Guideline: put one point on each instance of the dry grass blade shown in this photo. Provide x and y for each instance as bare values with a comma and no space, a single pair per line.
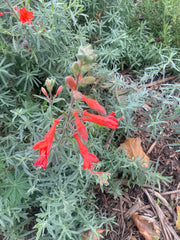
122,217
171,192
133,209
165,202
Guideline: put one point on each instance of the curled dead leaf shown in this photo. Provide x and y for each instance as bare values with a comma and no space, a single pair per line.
146,227
133,149
86,235
177,227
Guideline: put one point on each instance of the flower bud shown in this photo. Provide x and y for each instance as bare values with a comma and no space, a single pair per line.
85,68
86,55
75,68
50,84
80,57
77,95
58,91
71,83
44,91
87,80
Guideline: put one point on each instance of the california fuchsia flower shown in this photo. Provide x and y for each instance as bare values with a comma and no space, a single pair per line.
110,121
25,15
44,146
93,104
70,82
80,127
1,14
88,158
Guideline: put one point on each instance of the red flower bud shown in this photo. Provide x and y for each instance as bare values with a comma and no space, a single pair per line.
71,83
45,93
58,91
26,45
77,95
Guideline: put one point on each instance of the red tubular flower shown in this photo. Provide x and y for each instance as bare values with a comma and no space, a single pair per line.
70,82
110,121
44,146
1,14
80,128
88,158
42,161
83,149
93,104
25,15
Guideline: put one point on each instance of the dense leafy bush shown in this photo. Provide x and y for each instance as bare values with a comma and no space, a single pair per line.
123,34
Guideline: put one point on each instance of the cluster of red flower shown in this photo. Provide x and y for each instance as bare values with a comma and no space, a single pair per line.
44,146
109,121
88,158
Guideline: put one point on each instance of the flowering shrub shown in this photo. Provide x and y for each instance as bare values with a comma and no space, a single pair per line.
75,140
86,58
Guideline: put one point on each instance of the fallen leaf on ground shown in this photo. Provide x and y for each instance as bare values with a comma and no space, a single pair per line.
178,219
146,227
133,149
86,235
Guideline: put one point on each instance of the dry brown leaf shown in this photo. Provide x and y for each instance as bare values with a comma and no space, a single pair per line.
133,149
178,219
146,227
86,235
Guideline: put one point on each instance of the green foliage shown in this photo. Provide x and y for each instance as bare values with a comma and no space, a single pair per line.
14,188
125,35
162,19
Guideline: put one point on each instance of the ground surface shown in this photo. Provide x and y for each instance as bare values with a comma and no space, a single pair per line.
158,207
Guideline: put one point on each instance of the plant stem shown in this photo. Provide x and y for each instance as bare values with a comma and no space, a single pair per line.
14,12
70,110
27,4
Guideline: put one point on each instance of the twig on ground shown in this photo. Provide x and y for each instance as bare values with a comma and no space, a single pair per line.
151,148
171,192
168,231
164,201
160,81
122,218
